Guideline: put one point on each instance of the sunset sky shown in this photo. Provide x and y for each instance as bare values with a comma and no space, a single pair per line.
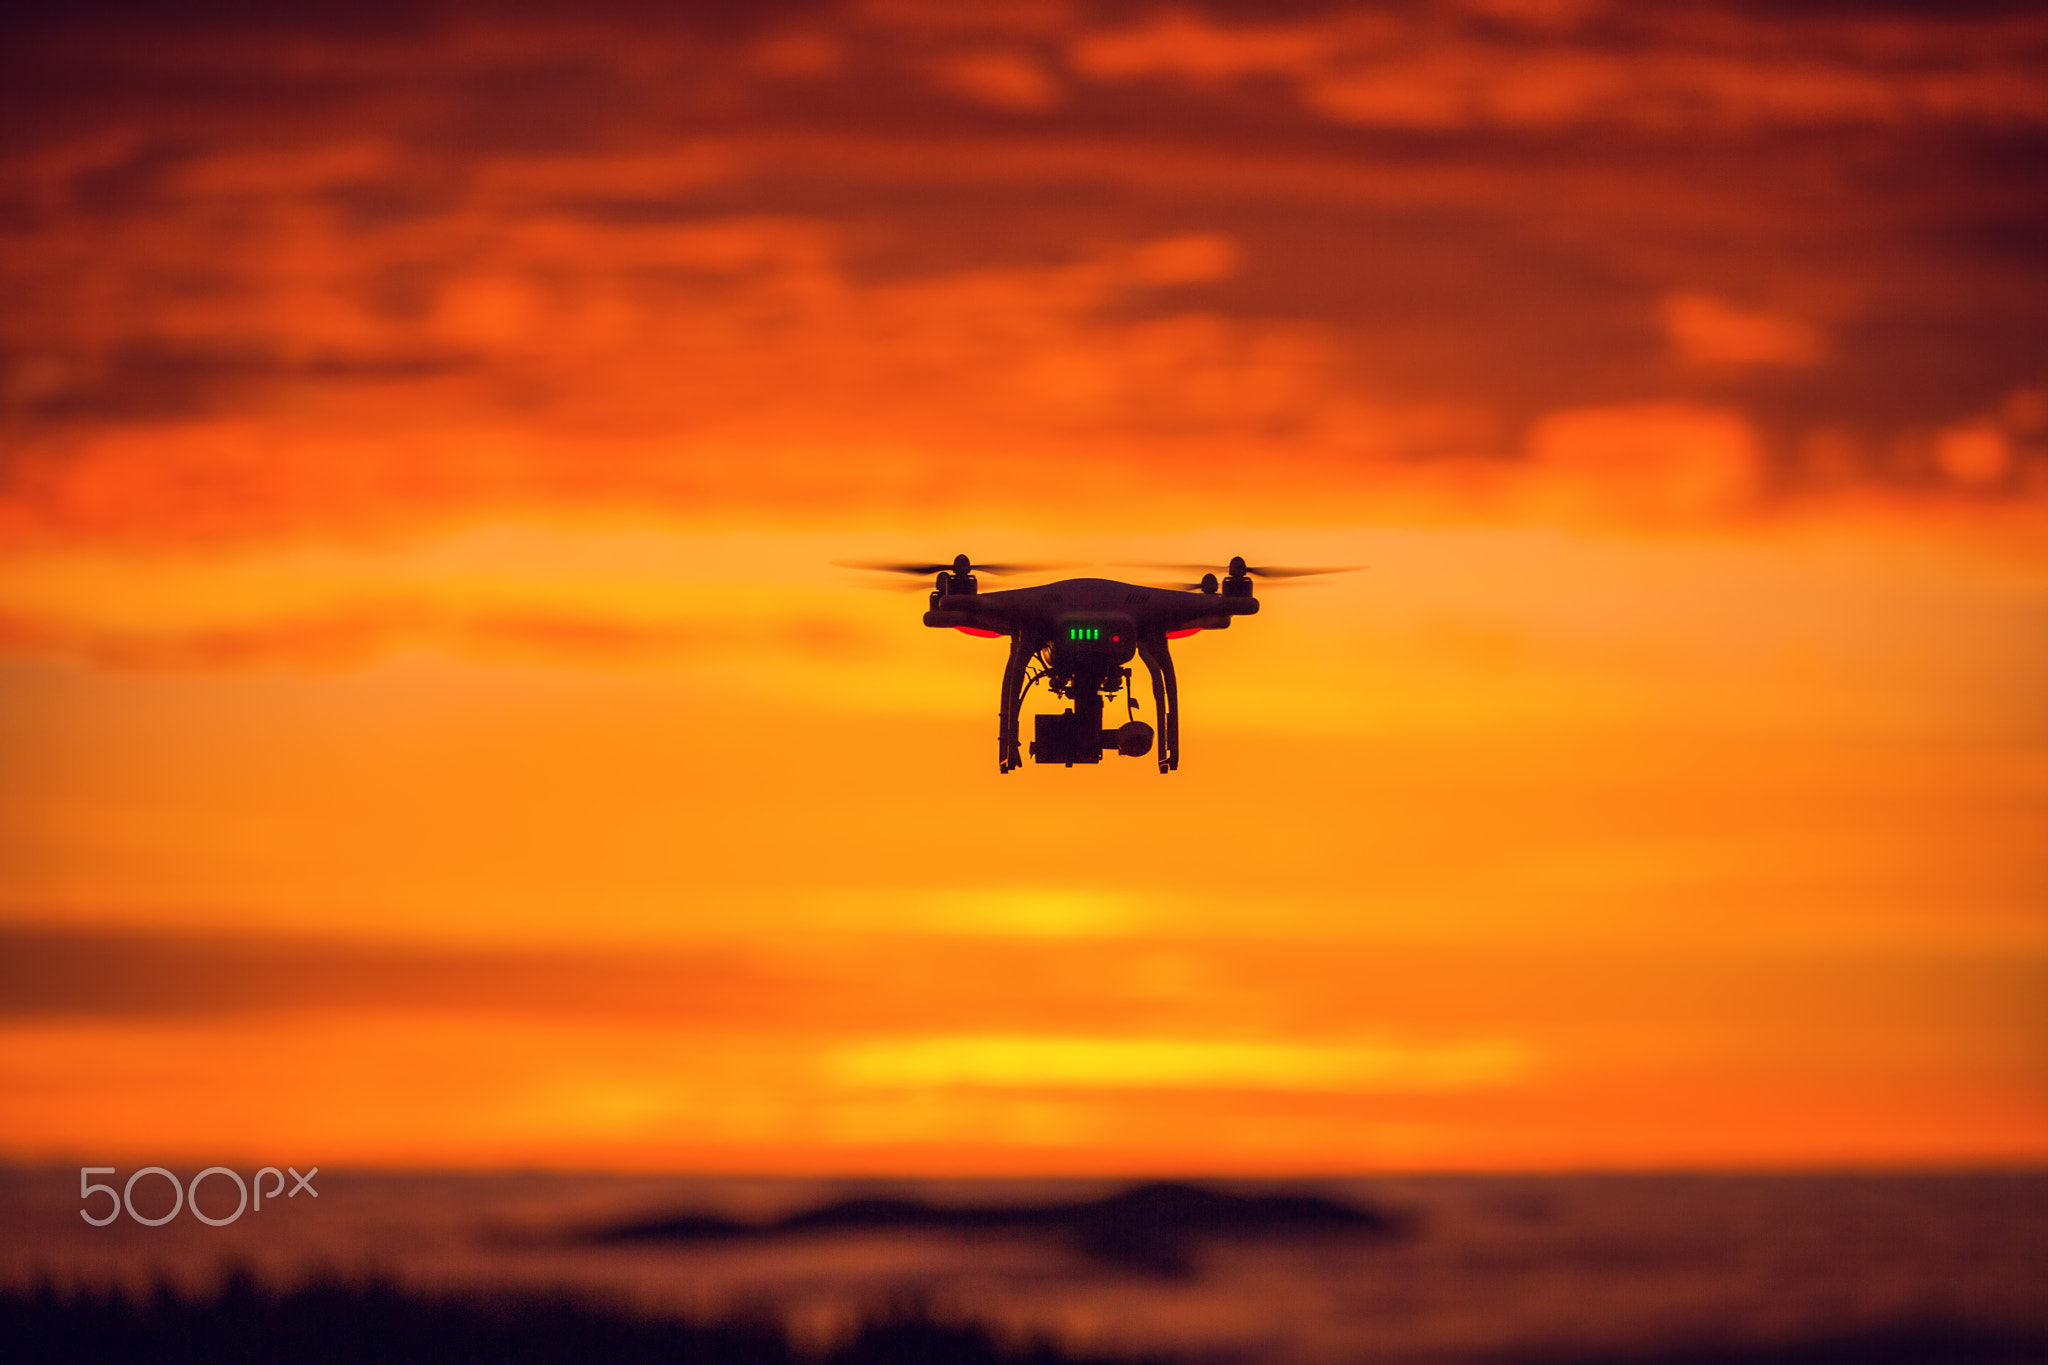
435,732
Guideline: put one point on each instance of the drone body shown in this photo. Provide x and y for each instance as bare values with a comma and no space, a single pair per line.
1078,636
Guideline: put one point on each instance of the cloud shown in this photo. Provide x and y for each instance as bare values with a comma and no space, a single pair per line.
570,356
780,270
361,633
1653,461
2026,411
1195,48
1062,1061
82,972
1193,258
1976,454
1432,69
1008,80
1708,331
800,53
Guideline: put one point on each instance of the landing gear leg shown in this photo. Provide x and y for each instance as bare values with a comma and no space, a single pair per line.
1165,699
1008,755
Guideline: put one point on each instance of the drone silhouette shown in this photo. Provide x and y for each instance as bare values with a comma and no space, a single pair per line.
1078,637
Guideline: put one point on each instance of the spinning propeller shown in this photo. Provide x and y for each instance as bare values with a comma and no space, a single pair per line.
961,564
1237,568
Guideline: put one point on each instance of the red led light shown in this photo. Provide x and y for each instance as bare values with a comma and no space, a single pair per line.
1183,634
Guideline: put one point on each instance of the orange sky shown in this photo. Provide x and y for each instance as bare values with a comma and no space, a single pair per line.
435,732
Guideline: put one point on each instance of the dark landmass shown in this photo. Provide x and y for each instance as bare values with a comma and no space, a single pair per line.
1911,1343
355,1324
338,1323
1155,1228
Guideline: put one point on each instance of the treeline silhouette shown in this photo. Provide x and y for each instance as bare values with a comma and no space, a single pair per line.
357,1323
1932,1342
347,1323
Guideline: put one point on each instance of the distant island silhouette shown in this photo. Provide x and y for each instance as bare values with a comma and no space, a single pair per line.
1154,1227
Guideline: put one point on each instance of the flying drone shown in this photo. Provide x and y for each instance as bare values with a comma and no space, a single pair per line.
1078,637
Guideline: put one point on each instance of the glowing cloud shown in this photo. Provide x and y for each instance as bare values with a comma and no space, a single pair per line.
1655,461
1057,1061
1707,331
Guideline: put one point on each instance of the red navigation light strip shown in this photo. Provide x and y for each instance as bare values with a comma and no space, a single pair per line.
979,633
1183,634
